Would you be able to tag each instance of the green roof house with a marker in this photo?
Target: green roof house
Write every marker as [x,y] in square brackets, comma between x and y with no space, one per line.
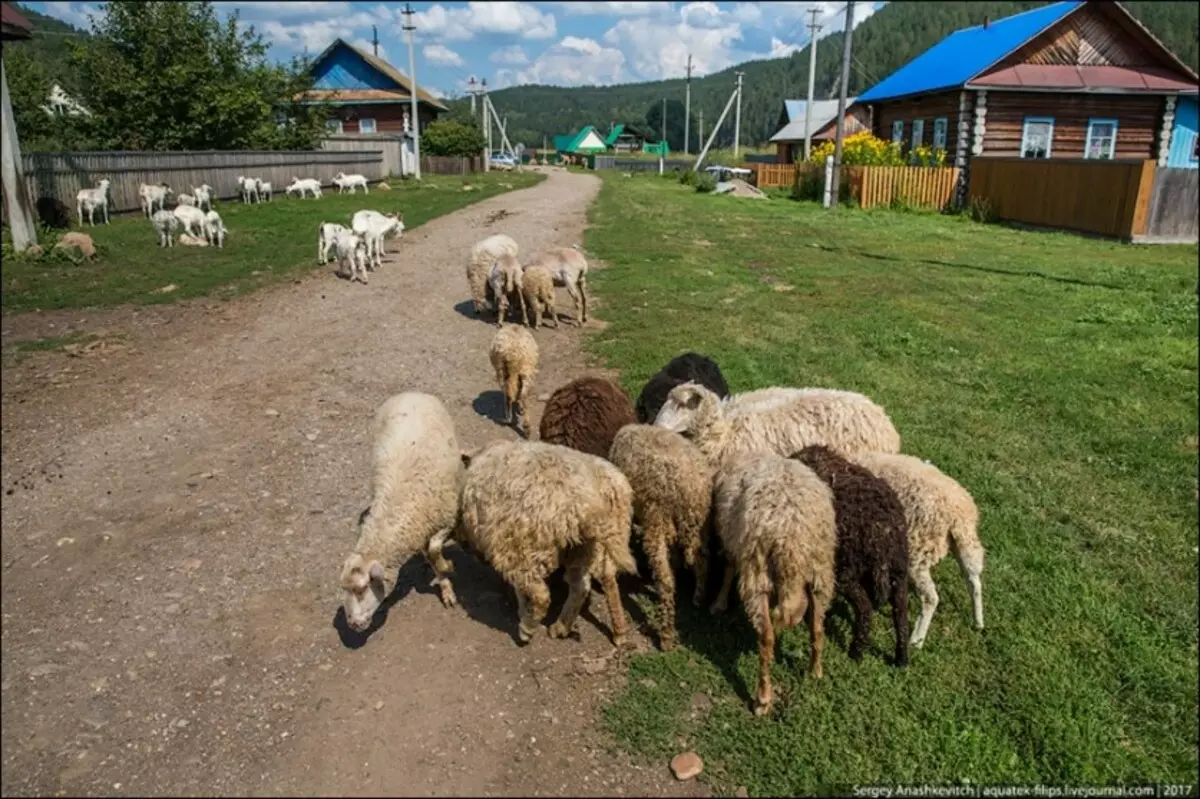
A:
[584,142]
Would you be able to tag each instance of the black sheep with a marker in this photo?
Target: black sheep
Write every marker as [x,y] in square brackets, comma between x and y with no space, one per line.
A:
[689,367]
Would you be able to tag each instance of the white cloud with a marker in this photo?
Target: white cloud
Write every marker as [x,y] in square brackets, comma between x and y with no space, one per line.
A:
[611,9]
[462,23]
[659,49]
[573,62]
[513,54]
[781,49]
[316,35]
[75,13]
[442,55]
[367,47]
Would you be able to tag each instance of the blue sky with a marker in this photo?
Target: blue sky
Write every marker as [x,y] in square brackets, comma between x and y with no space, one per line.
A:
[510,43]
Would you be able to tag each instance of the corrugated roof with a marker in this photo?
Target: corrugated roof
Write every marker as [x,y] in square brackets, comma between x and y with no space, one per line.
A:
[383,67]
[964,54]
[13,23]
[357,95]
[824,112]
[794,109]
[614,133]
[1085,78]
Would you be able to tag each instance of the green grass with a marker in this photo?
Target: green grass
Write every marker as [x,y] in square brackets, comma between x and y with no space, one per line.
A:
[266,243]
[1054,376]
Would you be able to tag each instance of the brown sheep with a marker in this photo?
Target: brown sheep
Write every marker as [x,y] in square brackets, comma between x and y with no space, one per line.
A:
[538,288]
[586,414]
[514,356]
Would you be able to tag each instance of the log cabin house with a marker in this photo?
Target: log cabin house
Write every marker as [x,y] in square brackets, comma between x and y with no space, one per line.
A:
[789,139]
[1066,80]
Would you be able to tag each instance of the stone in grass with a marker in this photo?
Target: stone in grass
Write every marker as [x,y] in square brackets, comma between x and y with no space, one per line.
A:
[686,766]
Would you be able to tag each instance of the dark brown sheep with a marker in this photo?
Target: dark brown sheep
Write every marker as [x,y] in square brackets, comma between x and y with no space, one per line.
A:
[872,544]
[586,414]
[690,366]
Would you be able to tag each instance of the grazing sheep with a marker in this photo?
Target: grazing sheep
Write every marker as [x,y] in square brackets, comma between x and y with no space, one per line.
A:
[192,241]
[506,279]
[777,420]
[775,518]
[214,229]
[941,516]
[303,186]
[417,471]
[690,366]
[248,188]
[529,507]
[264,190]
[352,253]
[166,223]
[91,199]
[192,219]
[872,545]
[514,356]
[153,196]
[327,235]
[672,494]
[351,182]
[203,195]
[569,269]
[586,414]
[373,227]
[483,254]
[185,199]
[538,288]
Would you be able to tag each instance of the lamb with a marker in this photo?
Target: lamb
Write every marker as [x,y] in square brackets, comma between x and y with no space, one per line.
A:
[192,219]
[203,195]
[941,516]
[153,195]
[672,494]
[352,253]
[506,279]
[185,199]
[483,254]
[303,186]
[327,235]
[568,268]
[538,290]
[373,227]
[872,544]
[776,522]
[248,188]
[351,182]
[166,223]
[586,414]
[265,192]
[417,471]
[777,420]
[514,356]
[214,229]
[690,366]
[91,199]
[529,507]
[192,241]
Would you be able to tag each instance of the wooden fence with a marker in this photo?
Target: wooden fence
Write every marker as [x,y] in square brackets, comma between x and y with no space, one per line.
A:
[62,175]
[389,145]
[1174,202]
[1110,198]
[449,165]
[773,176]
[916,186]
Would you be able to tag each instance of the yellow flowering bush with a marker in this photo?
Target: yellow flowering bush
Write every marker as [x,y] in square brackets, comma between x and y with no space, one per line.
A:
[861,149]
[927,156]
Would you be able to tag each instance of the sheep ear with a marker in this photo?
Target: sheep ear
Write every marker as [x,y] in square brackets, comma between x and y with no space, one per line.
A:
[466,456]
[376,572]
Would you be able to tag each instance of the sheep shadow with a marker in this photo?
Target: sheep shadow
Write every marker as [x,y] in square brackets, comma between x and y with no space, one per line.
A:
[490,404]
[466,309]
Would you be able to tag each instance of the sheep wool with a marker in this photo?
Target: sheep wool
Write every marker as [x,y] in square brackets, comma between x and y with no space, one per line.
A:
[690,366]
[672,495]
[514,356]
[586,414]
[506,280]
[529,507]
[483,254]
[417,471]
[538,288]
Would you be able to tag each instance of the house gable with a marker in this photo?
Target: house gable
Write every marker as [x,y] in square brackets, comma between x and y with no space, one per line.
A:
[341,68]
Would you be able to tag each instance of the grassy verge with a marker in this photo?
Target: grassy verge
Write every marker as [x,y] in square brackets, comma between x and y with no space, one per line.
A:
[266,243]
[1054,376]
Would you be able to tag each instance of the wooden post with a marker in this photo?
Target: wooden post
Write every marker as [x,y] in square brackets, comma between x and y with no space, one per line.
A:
[20,210]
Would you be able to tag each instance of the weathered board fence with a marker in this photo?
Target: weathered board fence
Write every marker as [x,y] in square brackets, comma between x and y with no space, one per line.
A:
[62,175]
[641,164]
[389,145]
[1109,198]
[449,164]
[915,186]
[1174,202]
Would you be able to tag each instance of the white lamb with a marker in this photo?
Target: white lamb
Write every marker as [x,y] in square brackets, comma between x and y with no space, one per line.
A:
[91,199]
[417,470]
[352,252]
[191,218]
[152,196]
[373,227]
[351,182]
[264,190]
[304,186]
[327,236]
[479,263]
[185,199]
[203,195]
[214,229]
[166,223]
[568,268]
[248,188]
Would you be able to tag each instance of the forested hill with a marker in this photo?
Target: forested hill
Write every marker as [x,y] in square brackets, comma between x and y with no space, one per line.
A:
[886,41]
[48,49]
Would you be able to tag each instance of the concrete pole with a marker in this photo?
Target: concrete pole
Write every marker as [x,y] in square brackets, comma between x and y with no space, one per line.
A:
[841,112]
[813,28]
[16,197]
[737,119]
[412,77]
[713,135]
[487,131]
[687,109]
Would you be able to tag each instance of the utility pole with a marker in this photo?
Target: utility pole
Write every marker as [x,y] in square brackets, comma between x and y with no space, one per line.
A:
[687,108]
[700,138]
[471,91]
[841,117]
[700,158]
[813,29]
[375,41]
[16,195]
[412,79]
[487,131]
[662,143]
[737,118]
[664,120]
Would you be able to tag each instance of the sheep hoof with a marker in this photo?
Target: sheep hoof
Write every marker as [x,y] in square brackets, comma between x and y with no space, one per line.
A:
[524,636]
[762,706]
[449,599]
[667,641]
[718,607]
[559,630]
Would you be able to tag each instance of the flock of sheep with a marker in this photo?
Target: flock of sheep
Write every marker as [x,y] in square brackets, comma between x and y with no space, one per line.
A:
[803,492]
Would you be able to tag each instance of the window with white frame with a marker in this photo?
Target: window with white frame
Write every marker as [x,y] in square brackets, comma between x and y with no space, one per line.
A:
[333,125]
[1101,139]
[918,133]
[366,125]
[940,126]
[1037,137]
[898,131]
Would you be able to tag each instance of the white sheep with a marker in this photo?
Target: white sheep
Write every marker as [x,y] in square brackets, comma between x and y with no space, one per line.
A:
[192,241]
[506,279]
[782,422]
[203,195]
[265,192]
[776,522]
[351,182]
[185,199]
[191,218]
[568,268]
[214,229]
[91,199]
[373,226]
[166,223]
[417,470]
[303,186]
[153,195]
[483,254]
[941,516]
[352,253]
[248,188]
[514,356]
[327,235]
[529,507]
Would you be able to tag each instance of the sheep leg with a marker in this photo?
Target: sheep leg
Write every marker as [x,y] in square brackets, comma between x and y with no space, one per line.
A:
[522,386]
[553,310]
[655,533]
[533,599]
[695,555]
[929,602]
[721,603]
[583,297]
[816,629]
[899,602]
[612,597]
[524,312]
[574,299]
[441,567]
[502,305]
[970,562]
[862,618]
[766,653]
[579,584]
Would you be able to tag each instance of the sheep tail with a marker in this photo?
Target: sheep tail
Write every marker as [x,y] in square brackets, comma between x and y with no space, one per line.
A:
[621,555]
[787,574]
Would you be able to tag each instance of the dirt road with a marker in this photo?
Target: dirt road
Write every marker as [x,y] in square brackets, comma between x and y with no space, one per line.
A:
[175,516]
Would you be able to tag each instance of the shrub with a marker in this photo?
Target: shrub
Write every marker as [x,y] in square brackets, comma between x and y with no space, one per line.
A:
[687,177]
[861,149]
[927,156]
[980,209]
[705,183]
[448,137]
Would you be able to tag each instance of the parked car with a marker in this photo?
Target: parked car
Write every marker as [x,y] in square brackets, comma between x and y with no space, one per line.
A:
[502,161]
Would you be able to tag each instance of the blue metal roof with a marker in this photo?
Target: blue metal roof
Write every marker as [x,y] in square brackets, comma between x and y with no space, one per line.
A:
[964,54]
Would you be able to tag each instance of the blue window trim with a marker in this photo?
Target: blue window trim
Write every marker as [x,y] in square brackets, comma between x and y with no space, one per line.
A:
[914,141]
[945,132]
[1049,139]
[1087,145]
[899,122]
